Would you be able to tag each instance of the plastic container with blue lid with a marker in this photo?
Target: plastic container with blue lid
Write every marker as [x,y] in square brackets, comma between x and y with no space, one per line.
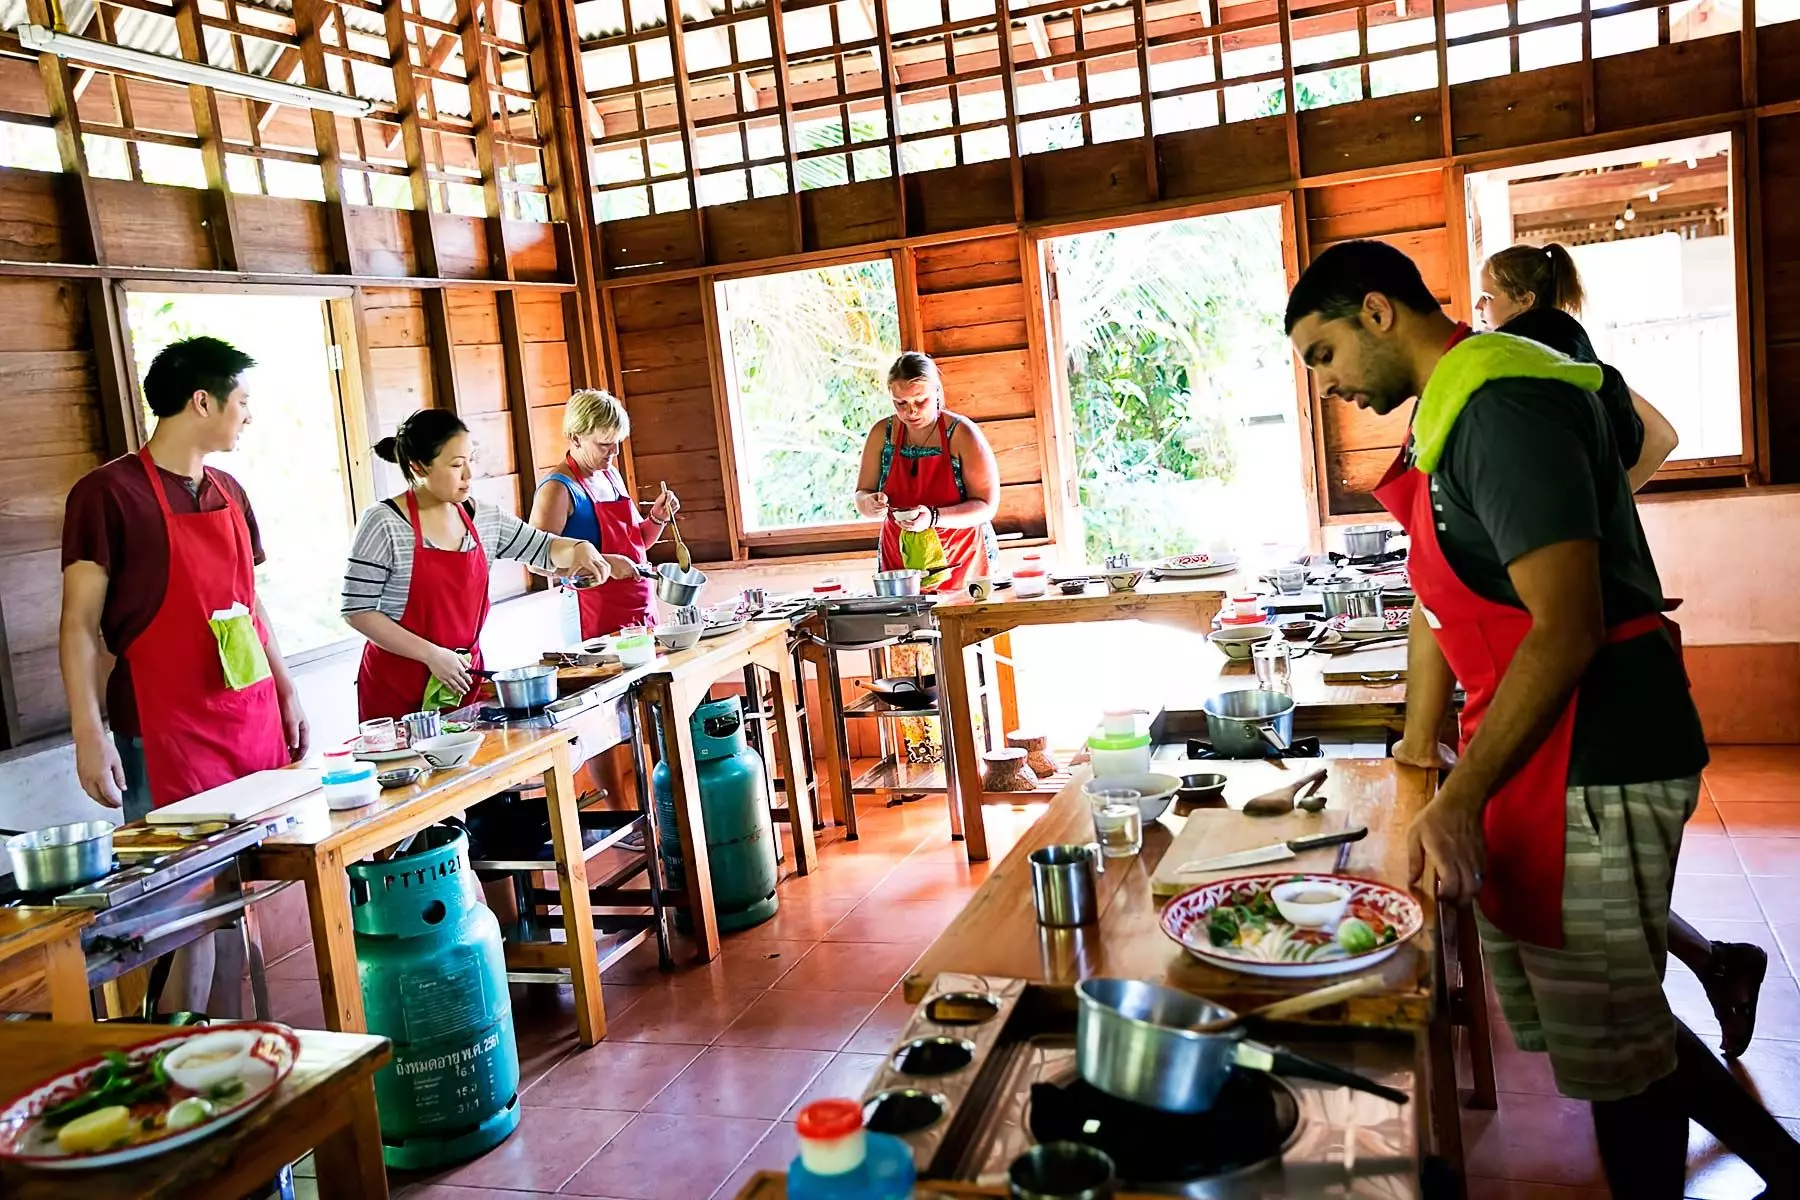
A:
[348,783]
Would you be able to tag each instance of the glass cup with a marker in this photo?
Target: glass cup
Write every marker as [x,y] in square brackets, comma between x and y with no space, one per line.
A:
[1274,666]
[1118,821]
[378,734]
[1290,578]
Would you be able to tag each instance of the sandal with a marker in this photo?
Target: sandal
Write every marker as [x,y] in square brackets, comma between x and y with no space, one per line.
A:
[1733,982]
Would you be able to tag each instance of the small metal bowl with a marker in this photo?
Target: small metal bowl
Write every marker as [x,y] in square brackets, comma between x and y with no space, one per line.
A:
[400,777]
[1073,587]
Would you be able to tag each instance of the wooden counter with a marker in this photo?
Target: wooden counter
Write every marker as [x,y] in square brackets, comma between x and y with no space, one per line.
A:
[997,932]
[40,949]
[964,623]
[326,1105]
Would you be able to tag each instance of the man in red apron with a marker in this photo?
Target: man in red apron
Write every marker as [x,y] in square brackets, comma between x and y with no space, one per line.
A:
[1581,749]
[159,560]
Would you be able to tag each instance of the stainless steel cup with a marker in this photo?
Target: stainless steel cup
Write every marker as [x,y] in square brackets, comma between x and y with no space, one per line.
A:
[755,599]
[422,725]
[1065,884]
[1061,1171]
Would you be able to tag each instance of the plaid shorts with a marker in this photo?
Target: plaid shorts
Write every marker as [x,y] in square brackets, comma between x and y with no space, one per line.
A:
[1597,1005]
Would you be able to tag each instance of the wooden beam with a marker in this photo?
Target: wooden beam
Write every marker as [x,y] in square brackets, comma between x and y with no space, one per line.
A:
[685,117]
[412,137]
[778,47]
[890,103]
[119,412]
[1009,91]
[310,17]
[487,160]
[442,350]
[59,96]
[1152,171]
[223,224]
[518,398]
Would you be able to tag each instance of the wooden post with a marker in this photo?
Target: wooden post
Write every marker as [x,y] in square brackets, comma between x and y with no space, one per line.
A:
[1008,91]
[59,95]
[309,22]
[441,349]
[1140,16]
[204,101]
[1285,15]
[890,102]
[412,138]
[685,116]
[778,50]
[518,400]
[481,114]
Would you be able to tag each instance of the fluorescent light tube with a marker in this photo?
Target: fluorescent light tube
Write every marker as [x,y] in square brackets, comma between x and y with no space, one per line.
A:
[180,70]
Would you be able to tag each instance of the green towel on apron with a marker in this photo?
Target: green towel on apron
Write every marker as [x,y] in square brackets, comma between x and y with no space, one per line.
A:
[924,551]
[438,695]
[1475,361]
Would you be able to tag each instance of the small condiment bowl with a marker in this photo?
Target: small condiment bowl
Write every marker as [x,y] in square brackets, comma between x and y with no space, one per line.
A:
[1124,579]
[1073,587]
[1296,630]
[1205,788]
[1310,913]
[400,777]
[208,1059]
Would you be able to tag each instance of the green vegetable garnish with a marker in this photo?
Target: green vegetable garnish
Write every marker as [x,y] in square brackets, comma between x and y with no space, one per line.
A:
[1222,925]
[1355,935]
[227,1089]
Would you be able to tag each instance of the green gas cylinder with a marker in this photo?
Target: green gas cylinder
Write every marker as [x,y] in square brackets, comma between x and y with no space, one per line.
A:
[734,801]
[434,982]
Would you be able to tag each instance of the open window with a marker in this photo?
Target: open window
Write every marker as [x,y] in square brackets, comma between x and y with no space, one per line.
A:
[1651,229]
[806,357]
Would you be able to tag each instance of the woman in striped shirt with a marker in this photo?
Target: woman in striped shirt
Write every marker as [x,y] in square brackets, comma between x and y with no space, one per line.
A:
[416,584]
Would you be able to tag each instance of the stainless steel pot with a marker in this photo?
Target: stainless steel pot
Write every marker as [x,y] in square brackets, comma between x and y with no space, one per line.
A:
[898,583]
[1132,1041]
[676,587]
[525,687]
[61,856]
[1367,541]
[1351,597]
[1247,723]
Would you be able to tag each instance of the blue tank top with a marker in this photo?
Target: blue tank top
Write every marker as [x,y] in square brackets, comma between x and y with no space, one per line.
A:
[582,522]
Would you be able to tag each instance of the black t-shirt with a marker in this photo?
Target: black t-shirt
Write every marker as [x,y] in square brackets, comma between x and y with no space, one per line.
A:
[1530,463]
[1561,332]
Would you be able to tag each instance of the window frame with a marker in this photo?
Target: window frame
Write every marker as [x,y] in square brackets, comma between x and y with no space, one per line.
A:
[1685,475]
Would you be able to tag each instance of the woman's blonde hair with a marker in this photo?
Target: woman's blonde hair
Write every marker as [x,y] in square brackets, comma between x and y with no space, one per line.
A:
[1548,273]
[913,366]
[592,413]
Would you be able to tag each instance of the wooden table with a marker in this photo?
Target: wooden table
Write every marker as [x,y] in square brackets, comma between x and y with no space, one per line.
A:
[41,948]
[965,623]
[317,851]
[668,693]
[997,932]
[327,1105]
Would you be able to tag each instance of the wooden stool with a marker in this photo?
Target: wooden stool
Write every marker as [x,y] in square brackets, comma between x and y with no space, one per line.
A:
[1007,772]
[1036,756]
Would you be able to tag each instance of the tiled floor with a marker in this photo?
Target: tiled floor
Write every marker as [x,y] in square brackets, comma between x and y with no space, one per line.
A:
[698,1082]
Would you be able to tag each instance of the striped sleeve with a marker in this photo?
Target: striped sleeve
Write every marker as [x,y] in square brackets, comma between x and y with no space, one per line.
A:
[372,562]
[505,536]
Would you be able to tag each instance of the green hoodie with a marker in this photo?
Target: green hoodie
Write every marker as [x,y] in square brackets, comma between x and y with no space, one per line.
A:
[1479,360]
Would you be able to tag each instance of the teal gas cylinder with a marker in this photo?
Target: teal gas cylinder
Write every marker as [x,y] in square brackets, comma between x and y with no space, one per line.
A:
[434,983]
[734,801]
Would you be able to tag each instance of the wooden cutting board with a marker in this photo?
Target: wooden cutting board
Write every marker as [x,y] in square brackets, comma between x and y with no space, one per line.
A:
[249,796]
[1207,832]
[1383,660]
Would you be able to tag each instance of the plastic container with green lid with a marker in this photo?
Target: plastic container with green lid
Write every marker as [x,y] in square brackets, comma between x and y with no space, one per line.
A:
[1117,747]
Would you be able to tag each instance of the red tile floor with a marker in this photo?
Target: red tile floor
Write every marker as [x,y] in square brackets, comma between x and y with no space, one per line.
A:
[702,1071]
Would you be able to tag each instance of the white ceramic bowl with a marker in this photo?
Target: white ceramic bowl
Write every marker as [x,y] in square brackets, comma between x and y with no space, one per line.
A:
[450,750]
[679,637]
[1237,640]
[1155,792]
[1310,912]
[210,1058]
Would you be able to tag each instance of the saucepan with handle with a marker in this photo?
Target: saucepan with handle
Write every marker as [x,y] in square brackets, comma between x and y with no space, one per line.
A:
[1172,1051]
[60,856]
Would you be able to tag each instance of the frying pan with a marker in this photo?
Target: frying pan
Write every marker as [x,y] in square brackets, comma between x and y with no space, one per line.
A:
[907,692]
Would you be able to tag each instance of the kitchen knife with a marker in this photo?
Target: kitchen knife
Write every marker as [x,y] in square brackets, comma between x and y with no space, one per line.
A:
[1277,852]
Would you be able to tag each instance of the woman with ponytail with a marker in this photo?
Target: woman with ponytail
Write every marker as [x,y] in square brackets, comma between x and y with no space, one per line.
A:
[1534,293]
[416,584]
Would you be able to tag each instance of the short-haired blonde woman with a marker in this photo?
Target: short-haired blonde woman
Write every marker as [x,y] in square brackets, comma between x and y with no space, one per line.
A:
[586,498]
[931,474]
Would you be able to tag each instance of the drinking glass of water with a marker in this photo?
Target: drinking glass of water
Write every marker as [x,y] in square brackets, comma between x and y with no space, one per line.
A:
[1118,821]
[1290,578]
[1274,666]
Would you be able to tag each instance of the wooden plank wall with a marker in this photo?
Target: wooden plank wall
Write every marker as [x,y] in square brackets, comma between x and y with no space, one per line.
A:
[1779,265]
[971,317]
[665,375]
[50,408]
[1407,211]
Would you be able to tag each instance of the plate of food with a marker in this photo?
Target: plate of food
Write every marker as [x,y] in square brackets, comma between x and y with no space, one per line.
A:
[147,1099]
[1196,566]
[1245,924]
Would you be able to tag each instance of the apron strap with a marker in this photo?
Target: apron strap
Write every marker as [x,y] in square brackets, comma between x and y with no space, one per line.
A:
[412,515]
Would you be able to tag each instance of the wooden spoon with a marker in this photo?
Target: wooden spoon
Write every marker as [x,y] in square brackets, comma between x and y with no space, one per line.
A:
[1281,800]
[1293,1006]
[683,559]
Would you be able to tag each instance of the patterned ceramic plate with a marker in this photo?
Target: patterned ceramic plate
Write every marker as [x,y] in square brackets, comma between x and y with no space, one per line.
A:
[1394,618]
[24,1138]
[723,628]
[1194,566]
[1271,946]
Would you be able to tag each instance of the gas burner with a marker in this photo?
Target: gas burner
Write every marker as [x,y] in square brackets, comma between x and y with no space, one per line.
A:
[496,715]
[1252,1121]
[1390,558]
[1307,747]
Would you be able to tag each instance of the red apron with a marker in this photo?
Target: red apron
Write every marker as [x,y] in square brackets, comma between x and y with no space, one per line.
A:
[199,732]
[616,603]
[1524,820]
[929,481]
[446,604]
